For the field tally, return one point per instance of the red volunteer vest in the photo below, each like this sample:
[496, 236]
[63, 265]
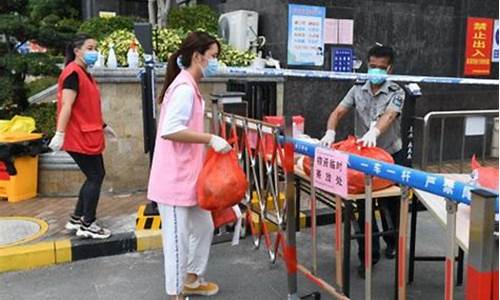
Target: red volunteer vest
[84, 132]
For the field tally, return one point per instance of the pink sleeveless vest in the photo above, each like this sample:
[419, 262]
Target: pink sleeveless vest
[176, 165]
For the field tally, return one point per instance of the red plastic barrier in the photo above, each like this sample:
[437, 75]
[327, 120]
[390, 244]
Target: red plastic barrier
[487, 176]
[298, 128]
[481, 285]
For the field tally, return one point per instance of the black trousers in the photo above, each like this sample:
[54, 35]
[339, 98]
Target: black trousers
[93, 168]
[389, 211]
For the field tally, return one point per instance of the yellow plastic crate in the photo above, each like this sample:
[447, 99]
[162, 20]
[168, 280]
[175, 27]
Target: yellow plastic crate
[23, 185]
[270, 207]
[269, 203]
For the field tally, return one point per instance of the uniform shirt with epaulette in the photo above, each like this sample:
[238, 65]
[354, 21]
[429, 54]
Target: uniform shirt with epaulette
[369, 108]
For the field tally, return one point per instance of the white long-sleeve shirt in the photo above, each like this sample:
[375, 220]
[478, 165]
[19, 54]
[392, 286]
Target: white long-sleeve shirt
[179, 110]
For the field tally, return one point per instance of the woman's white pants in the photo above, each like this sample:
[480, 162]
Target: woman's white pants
[187, 235]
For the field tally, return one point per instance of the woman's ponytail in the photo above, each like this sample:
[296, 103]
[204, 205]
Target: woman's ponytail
[172, 71]
[197, 41]
[69, 54]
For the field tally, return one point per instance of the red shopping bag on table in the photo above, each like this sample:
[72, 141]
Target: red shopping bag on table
[356, 179]
[222, 182]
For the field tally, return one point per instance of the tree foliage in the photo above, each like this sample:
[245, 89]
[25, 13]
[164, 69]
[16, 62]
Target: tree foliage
[50, 23]
[41, 9]
[101, 27]
[192, 18]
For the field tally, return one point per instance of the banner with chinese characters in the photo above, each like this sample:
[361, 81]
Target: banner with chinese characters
[478, 46]
[305, 35]
[330, 171]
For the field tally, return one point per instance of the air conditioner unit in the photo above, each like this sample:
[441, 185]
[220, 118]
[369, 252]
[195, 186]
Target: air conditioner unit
[239, 28]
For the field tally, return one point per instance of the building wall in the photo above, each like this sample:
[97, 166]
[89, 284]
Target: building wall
[427, 35]
[138, 8]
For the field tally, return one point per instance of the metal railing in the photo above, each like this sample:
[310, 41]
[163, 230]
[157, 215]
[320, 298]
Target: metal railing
[483, 243]
[443, 115]
[263, 166]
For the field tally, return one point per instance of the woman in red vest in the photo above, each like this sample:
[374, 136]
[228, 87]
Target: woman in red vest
[81, 131]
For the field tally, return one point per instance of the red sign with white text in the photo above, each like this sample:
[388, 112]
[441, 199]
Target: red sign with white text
[478, 46]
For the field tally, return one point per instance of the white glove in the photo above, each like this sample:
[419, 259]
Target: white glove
[329, 138]
[370, 138]
[57, 141]
[219, 144]
[110, 134]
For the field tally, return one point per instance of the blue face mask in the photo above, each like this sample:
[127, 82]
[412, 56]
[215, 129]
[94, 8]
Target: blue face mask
[211, 69]
[90, 57]
[377, 71]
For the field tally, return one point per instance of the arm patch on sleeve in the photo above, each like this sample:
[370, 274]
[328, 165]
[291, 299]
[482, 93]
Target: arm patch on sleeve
[397, 100]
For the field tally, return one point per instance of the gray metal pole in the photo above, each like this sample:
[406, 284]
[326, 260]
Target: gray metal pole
[368, 237]
[441, 145]
[338, 242]
[217, 107]
[314, 227]
[451, 224]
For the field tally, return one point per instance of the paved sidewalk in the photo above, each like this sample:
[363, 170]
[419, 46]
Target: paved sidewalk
[117, 212]
[242, 272]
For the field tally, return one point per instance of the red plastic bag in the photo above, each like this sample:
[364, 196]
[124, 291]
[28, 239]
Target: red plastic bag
[222, 182]
[355, 178]
[486, 176]
[224, 216]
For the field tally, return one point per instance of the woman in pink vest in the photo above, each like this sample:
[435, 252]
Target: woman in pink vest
[177, 161]
[80, 132]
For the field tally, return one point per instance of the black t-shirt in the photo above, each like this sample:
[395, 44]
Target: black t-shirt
[71, 82]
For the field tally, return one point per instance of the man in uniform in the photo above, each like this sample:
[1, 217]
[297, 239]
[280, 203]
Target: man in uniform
[378, 105]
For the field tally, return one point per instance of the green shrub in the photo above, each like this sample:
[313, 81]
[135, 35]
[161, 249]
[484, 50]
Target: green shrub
[101, 27]
[45, 117]
[40, 84]
[121, 40]
[192, 18]
[233, 57]
[167, 41]
[6, 90]
[39, 9]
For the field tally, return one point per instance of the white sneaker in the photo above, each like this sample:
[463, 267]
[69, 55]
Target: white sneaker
[73, 224]
[93, 231]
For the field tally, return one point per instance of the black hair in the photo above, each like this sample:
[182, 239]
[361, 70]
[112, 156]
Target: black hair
[197, 41]
[382, 51]
[76, 42]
